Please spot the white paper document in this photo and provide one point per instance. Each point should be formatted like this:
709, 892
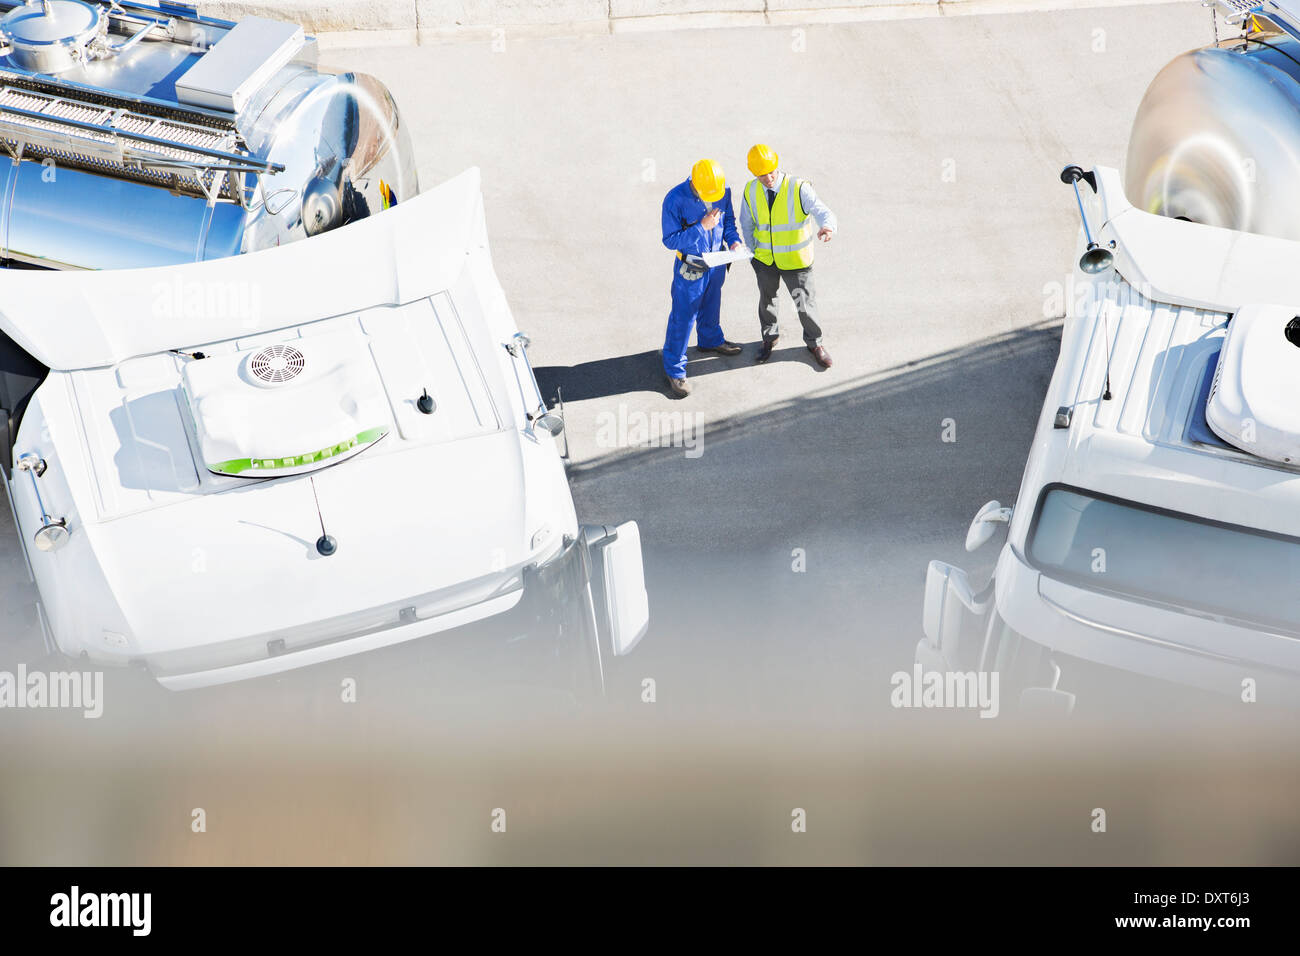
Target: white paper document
712, 259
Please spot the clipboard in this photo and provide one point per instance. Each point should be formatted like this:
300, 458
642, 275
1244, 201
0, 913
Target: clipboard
726, 257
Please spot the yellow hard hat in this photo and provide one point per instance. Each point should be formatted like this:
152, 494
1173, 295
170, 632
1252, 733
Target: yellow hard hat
707, 178
762, 160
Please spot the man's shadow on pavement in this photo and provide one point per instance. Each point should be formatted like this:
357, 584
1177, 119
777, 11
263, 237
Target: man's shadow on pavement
644, 372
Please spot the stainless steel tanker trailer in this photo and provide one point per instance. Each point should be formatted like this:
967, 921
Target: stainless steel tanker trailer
148, 135
1216, 139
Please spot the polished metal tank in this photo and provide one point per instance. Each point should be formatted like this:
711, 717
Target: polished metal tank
1216, 139
145, 134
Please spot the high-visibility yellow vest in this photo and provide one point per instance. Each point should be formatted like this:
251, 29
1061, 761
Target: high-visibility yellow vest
783, 235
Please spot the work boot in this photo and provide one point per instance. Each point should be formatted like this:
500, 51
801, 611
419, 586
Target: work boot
726, 348
680, 387
765, 352
821, 355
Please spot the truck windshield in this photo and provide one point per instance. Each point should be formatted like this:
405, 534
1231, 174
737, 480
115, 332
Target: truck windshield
1192, 563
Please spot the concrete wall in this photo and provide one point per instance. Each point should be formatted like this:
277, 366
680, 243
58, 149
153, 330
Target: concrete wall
321, 16
385, 22
450, 16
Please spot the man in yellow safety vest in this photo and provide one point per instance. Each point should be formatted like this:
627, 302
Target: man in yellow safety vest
777, 218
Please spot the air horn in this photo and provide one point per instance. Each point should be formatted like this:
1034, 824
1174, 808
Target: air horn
1095, 259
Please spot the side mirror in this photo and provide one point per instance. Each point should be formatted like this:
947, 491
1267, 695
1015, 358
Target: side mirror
551, 423
931, 658
941, 580
623, 578
1046, 702
986, 522
954, 616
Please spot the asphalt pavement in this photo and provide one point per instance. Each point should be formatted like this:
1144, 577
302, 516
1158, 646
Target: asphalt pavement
938, 144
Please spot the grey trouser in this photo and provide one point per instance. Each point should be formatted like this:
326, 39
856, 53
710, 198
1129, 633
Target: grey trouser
800, 284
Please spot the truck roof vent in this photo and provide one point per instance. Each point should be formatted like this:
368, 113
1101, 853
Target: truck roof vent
1255, 402
276, 364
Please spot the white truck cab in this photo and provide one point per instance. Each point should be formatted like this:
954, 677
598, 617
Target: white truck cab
262, 401
230, 468
1149, 536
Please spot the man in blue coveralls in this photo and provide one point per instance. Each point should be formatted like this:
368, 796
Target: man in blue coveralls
697, 218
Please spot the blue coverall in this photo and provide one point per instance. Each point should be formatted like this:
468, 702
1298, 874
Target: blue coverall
696, 302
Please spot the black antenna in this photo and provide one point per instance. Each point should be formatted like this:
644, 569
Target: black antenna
1105, 318
325, 545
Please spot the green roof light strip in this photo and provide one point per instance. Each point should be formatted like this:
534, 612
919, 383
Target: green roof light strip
237, 466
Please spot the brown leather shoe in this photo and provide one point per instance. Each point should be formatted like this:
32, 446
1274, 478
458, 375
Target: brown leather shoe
765, 351
726, 348
821, 355
680, 387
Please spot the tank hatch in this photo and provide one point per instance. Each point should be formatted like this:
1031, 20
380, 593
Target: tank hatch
50, 36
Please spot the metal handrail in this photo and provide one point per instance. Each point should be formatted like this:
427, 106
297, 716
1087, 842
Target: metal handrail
518, 348
34, 465
234, 162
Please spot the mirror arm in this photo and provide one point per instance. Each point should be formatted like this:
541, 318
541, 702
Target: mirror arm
518, 348
559, 401
599, 535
